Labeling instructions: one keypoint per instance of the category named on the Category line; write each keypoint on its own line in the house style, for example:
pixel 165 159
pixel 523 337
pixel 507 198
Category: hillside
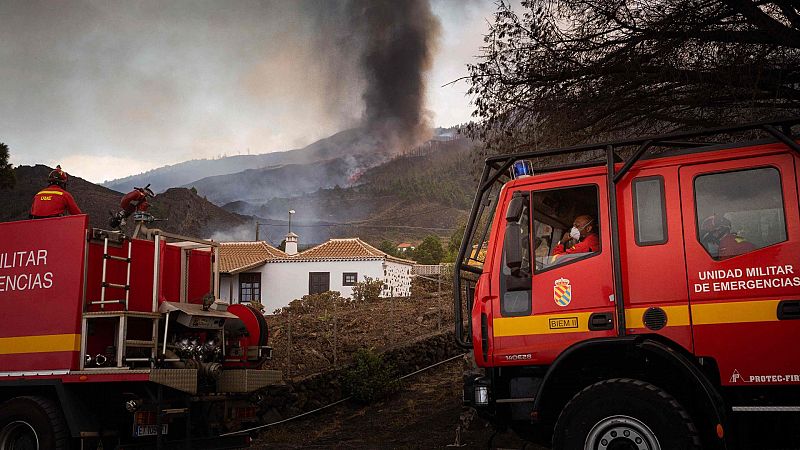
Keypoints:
pixel 340 145
pixel 186 213
pixel 405 198
pixel 260 185
pixel 94 200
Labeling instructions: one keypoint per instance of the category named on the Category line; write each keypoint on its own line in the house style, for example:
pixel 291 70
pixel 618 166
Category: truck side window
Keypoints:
pixel 555 213
pixel 516 279
pixel 649 211
pixel 739 212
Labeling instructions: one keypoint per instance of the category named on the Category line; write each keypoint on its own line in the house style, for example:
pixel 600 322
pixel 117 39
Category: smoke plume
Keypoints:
pixel 384 48
pixel 399 39
pixel 152 83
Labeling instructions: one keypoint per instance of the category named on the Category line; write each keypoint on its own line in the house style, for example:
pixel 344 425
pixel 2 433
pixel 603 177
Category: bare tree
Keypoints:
pixel 561 72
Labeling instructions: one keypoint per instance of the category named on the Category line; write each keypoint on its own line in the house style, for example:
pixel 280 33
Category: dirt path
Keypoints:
pixel 425 414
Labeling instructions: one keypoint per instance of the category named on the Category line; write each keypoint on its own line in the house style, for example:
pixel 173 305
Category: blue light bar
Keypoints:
pixel 521 169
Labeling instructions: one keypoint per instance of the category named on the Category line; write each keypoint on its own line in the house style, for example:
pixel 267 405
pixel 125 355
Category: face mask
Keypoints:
pixel 575 232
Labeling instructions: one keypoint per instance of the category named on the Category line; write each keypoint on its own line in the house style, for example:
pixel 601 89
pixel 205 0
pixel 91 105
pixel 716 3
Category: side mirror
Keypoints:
pixel 516 206
pixel 512 247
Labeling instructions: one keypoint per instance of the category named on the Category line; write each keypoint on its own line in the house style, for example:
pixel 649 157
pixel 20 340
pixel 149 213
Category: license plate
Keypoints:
pixel 148 430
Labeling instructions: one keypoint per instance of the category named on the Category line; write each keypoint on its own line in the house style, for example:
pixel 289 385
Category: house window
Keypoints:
pixel 349 278
pixel 249 287
pixel 319 282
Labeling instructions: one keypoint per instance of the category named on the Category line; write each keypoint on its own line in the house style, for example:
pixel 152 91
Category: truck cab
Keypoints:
pixel 666 320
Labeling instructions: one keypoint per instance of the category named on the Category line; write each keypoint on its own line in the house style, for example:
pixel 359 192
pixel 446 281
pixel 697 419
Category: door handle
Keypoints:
pixel 601 321
pixel 789 310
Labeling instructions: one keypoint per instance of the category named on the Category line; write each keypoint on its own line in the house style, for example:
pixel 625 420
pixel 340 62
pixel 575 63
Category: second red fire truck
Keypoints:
pixel 646 297
pixel 108 341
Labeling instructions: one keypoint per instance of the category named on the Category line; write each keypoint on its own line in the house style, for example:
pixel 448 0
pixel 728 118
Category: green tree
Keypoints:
pixel 194 190
pixel 7 178
pixel 559 72
pixel 388 247
pixel 454 243
pixel 430 251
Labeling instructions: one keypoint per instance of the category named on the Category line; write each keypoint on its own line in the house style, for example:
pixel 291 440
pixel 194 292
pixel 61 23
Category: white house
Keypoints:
pixel 256 270
pixel 404 247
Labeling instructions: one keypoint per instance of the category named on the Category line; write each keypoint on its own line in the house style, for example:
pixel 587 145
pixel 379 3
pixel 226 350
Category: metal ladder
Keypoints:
pixel 123 343
pixel 104 283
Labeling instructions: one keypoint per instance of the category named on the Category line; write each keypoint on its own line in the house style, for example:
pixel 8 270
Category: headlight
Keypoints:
pixel 481 395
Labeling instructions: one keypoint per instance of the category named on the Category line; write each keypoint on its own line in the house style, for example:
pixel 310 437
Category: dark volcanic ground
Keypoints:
pixel 424 415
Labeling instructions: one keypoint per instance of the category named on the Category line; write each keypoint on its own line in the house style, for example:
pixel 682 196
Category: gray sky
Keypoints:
pixel 112 88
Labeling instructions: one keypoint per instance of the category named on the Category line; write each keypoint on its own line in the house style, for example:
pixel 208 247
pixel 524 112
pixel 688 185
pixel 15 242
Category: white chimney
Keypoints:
pixel 291 244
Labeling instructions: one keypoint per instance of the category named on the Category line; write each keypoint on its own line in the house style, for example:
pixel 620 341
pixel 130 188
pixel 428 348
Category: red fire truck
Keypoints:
pixel 113 342
pixel 638 294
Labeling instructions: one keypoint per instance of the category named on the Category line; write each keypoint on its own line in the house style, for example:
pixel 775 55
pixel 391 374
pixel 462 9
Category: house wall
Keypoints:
pixel 282 282
pixel 397 280
pixel 287 281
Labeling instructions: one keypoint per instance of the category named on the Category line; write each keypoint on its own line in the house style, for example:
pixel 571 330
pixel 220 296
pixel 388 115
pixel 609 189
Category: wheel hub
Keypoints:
pixel 18 435
pixel 621 433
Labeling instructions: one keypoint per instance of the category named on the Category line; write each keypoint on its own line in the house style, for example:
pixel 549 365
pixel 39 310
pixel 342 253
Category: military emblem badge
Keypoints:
pixel 562 292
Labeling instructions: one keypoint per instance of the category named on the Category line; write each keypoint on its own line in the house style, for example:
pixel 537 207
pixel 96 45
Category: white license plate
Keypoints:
pixel 148 430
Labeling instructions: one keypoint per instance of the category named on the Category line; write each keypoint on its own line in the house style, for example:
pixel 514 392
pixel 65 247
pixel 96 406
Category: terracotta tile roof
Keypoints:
pixel 235 257
pixel 344 249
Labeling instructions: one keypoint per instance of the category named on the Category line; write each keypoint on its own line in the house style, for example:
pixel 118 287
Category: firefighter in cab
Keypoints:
pixel 54 200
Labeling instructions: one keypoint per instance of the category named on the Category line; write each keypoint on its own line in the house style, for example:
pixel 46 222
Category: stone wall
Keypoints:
pixel 396 279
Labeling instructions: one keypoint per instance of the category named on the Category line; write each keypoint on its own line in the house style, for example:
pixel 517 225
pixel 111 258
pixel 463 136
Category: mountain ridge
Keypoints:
pixel 348 142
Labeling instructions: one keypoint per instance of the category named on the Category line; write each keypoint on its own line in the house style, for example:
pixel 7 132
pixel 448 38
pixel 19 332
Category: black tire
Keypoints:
pixel 622 413
pixel 32 423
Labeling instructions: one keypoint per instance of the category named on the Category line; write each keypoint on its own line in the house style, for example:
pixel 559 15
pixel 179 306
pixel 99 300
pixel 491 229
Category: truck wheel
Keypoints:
pixel 32 423
pixel 623 414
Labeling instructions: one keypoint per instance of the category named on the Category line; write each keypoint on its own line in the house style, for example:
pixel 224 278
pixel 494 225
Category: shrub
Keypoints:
pixel 312 302
pixel 368 290
pixel 371 377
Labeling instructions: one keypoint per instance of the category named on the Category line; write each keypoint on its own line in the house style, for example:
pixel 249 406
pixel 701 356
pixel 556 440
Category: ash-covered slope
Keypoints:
pixel 405 198
pixel 264 184
pixel 186 213
pixel 192 215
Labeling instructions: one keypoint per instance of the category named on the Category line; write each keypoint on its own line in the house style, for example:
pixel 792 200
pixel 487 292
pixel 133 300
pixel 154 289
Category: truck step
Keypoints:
pixel 116 285
pixel 766 409
pixel 141 314
pixel 139 343
pixel 516 400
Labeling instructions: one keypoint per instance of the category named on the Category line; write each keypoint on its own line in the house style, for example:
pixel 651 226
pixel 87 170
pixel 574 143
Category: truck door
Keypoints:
pixel 742 238
pixel 652 251
pixel 563 297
